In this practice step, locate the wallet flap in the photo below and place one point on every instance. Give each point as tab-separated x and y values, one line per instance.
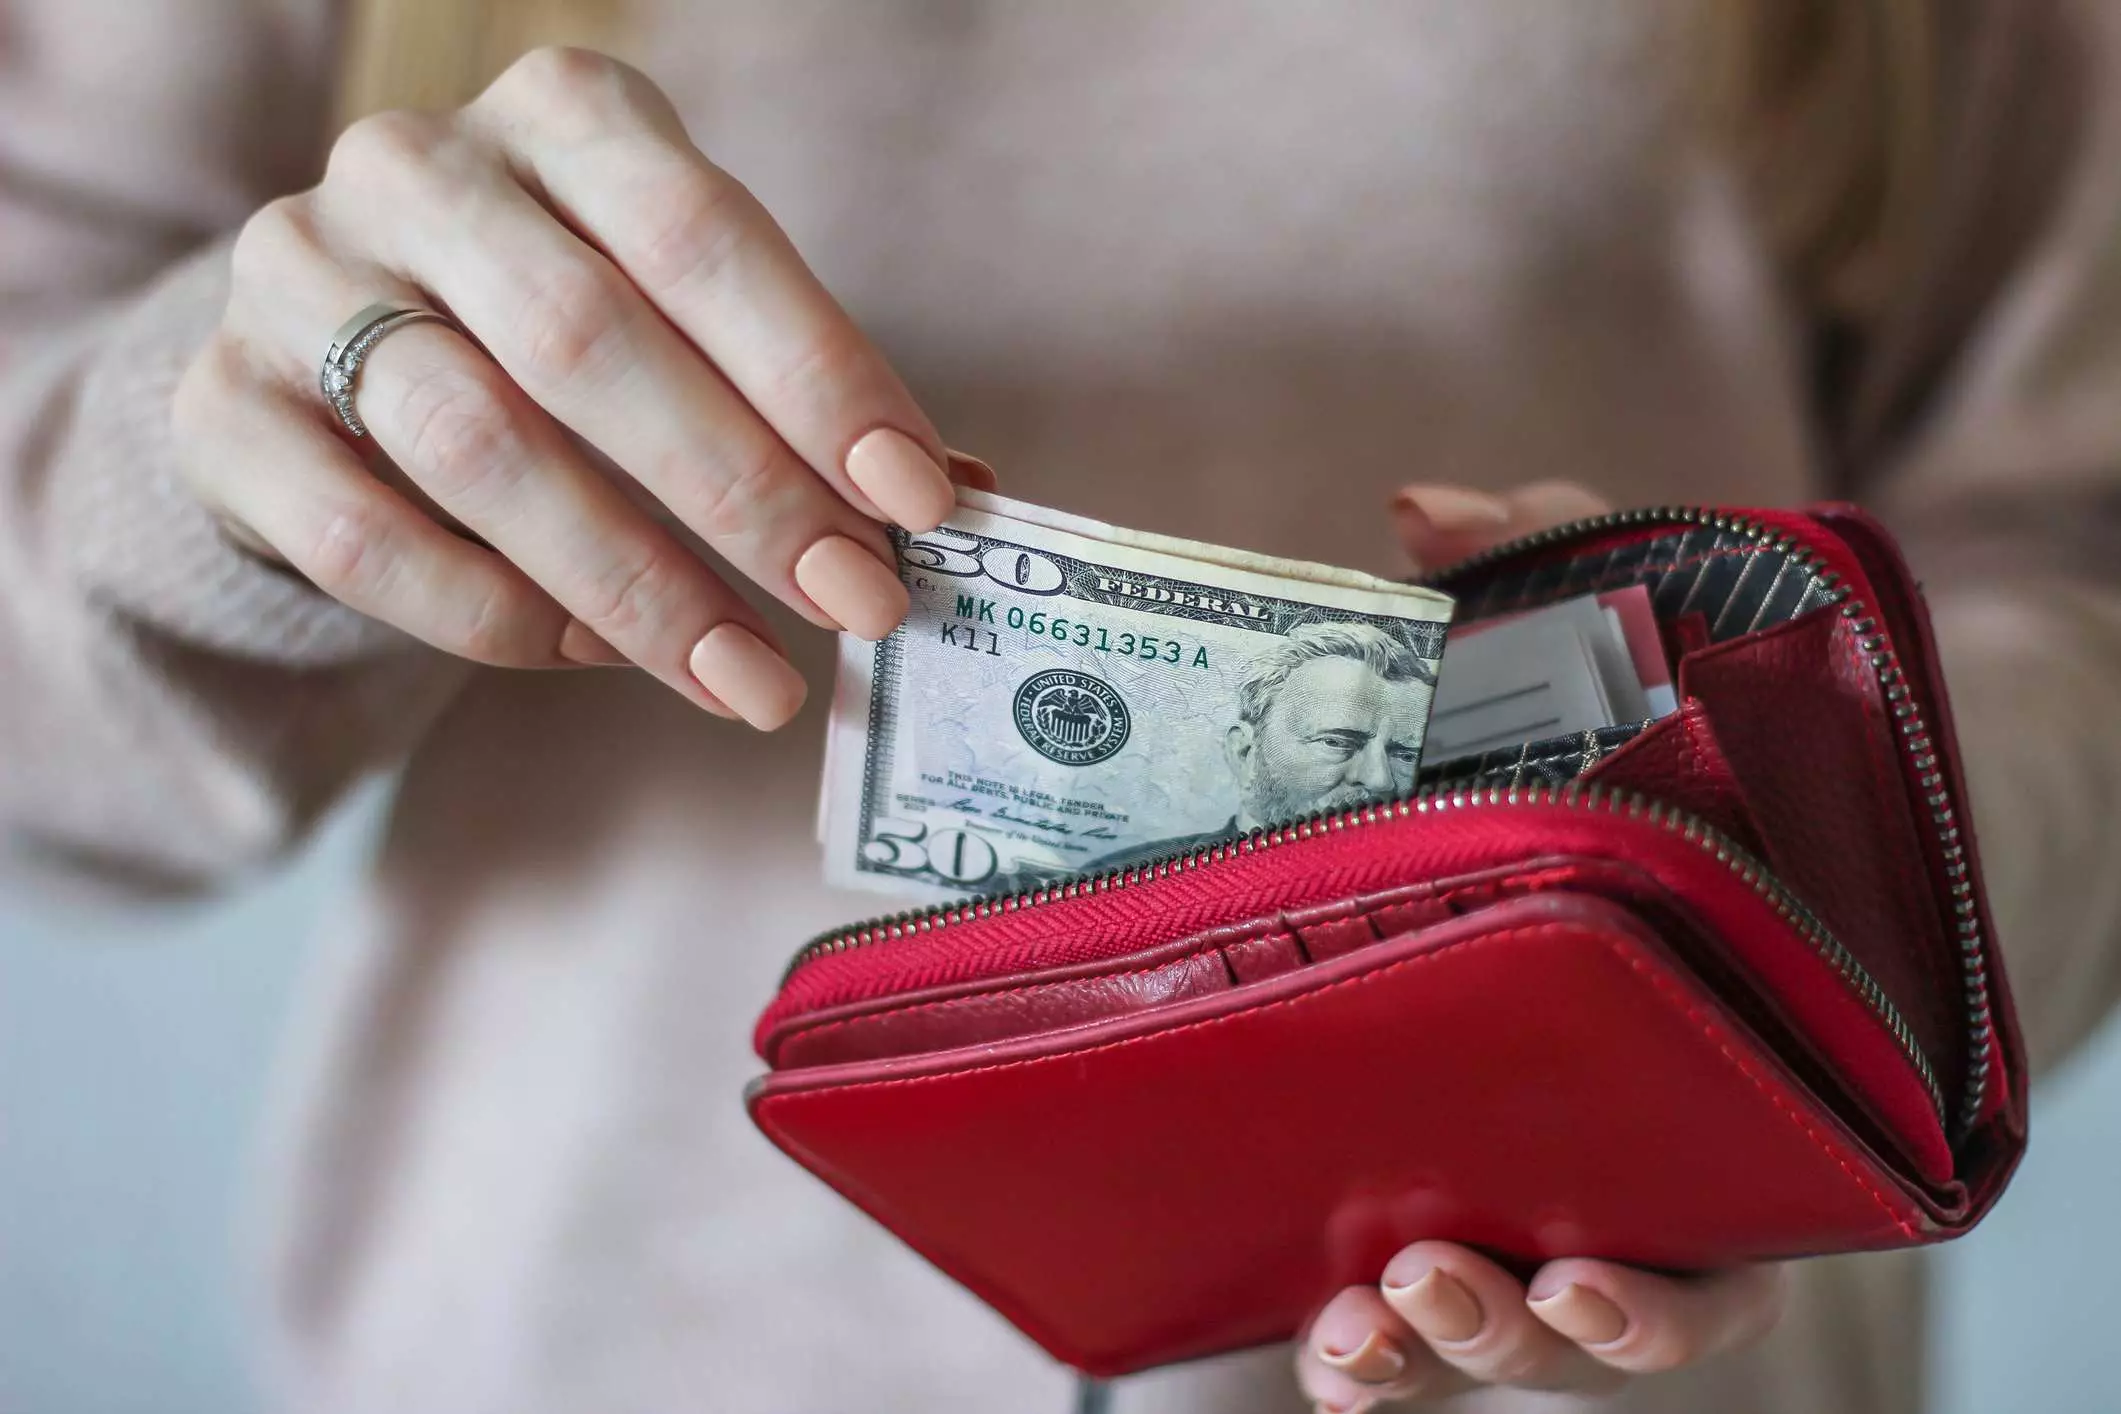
1994	1019
1539	1079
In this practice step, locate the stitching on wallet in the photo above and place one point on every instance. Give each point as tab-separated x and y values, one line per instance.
1537	877
1764	1084
1766	1087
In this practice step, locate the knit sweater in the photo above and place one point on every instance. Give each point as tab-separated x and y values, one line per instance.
1223	268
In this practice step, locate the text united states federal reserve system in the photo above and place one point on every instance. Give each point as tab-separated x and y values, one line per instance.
1067	695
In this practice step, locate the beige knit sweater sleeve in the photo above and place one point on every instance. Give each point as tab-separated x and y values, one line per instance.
1987	431
173	711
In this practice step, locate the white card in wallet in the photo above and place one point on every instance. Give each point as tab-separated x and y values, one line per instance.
1518	682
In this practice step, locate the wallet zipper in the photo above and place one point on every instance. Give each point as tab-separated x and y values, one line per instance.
1434	801
1915	742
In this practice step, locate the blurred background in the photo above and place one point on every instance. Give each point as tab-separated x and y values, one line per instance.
134	1057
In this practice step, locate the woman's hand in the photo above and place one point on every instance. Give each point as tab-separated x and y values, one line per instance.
1443	1318
641	334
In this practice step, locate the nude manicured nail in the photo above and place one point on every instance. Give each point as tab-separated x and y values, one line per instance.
896	473
579	645
1438	1305
1452	509
846	580
1375	1362
1582	1315
968	470
758	685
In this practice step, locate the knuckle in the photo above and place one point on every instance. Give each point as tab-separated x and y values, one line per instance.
692	228
563	82
628	598
572	326
384	148
748	501
563	68
498	632
281	234
350	555
459	441
832	360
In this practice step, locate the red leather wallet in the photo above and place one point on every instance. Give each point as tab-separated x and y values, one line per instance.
1712	989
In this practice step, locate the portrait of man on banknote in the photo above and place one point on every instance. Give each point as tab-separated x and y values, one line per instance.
1330	717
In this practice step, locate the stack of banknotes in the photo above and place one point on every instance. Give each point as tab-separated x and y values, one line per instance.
1069	697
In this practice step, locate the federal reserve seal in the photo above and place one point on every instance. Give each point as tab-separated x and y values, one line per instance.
1071	717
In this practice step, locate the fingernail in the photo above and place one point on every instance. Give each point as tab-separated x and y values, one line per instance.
896	473
968	470
579	645
1334	1406
1439	1306
1451	509
757	683
1582	1315
844	578
1375	1362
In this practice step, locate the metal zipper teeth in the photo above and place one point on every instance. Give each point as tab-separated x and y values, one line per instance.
1437	801
1915	741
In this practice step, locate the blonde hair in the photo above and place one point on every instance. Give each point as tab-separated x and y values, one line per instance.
436	54
1830	107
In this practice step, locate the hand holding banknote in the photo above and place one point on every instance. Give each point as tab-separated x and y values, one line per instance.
594	409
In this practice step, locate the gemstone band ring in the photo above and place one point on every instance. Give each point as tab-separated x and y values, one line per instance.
351	344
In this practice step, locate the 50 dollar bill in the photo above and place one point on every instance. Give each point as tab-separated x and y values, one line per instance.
1067	696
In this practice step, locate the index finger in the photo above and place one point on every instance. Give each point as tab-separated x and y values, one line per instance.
606	149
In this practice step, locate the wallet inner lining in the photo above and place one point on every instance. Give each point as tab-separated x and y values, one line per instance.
1551	761
1736	584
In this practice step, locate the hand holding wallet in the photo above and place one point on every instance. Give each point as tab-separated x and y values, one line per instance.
1715	989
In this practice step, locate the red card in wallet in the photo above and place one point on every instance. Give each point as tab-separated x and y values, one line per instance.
1717	988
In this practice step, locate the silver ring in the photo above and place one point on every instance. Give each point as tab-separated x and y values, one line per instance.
351	344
